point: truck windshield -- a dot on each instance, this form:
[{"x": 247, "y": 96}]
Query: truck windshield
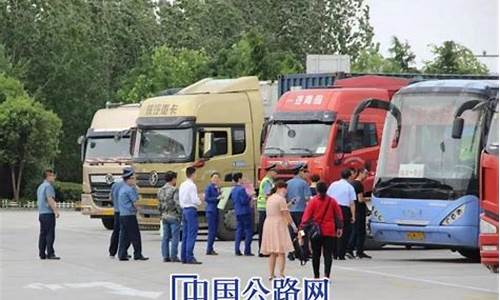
[
  {"x": 305, "y": 139},
  {"x": 427, "y": 163},
  {"x": 103, "y": 148},
  {"x": 175, "y": 145},
  {"x": 492, "y": 145}
]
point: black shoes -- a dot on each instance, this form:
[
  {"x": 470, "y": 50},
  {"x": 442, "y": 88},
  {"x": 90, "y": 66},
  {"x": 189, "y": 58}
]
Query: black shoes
[
  {"x": 167, "y": 260},
  {"x": 175, "y": 260},
  {"x": 53, "y": 257},
  {"x": 238, "y": 254},
  {"x": 193, "y": 262},
  {"x": 349, "y": 255},
  {"x": 249, "y": 254},
  {"x": 263, "y": 255},
  {"x": 291, "y": 256},
  {"x": 363, "y": 255},
  {"x": 123, "y": 258},
  {"x": 141, "y": 258},
  {"x": 212, "y": 253}
]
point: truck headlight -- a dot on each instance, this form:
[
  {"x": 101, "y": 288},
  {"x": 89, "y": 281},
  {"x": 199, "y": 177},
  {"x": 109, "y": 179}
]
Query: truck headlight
[
  {"x": 454, "y": 215},
  {"x": 377, "y": 216},
  {"x": 486, "y": 227}
]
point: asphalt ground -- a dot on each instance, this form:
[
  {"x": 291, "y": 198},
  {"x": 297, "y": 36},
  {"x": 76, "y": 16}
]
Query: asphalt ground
[{"x": 86, "y": 271}]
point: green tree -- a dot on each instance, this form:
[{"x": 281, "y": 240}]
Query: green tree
[
  {"x": 453, "y": 58},
  {"x": 401, "y": 56},
  {"x": 29, "y": 136},
  {"x": 165, "y": 68},
  {"x": 371, "y": 61}
]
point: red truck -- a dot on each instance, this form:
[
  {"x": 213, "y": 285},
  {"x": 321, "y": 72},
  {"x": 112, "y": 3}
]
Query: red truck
[
  {"x": 309, "y": 126},
  {"x": 488, "y": 226}
]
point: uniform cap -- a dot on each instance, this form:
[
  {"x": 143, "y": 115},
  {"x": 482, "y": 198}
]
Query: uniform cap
[{"x": 127, "y": 172}]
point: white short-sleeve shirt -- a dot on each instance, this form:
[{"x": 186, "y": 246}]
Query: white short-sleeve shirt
[{"x": 342, "y": 191}]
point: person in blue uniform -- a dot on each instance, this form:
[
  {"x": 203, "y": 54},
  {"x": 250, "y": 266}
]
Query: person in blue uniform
[
  {"x": 241, "y": 203},
  {"x": 115, "y": 235},
  {"x": 47, "y": 214},
  {"x": 212, "y": 198},
  {"x": 129, "y": 228}
]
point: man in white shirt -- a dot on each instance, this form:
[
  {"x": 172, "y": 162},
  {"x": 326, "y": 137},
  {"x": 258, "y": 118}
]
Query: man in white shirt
[
  {"x": 189, "y": 201},
  {"x": 344, "y": 193}
]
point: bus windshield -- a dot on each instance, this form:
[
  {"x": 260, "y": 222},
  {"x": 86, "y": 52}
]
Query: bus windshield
[
  {"x": 164, "y": 145},
  {"x": 426, "y": 162},
  {"x": 305, "y": 139},
  {"x": 105, "y": 148}
]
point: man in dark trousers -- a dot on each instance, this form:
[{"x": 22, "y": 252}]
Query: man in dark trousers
[
  {"x": 212, "y": 198},
  {"x": 358, "y": 235},
  {"x": 129, "y": 228},
  {"x": 241, "y": 203},
  {"x": 47, "y": 214},
  {"x": 115, "y": 235},
  {"x": 343, "y": 192}
]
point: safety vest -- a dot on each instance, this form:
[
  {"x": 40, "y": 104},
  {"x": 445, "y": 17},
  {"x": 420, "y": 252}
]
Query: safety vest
[{"x": 261, "y": 199}]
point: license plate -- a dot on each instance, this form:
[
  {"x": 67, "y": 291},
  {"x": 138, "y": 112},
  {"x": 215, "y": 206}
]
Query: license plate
[{"x": 415, "y": 236}]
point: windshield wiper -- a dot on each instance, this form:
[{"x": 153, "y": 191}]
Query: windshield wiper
[
  {"x": 412, "y": 183},
  {"x": 281, "y": 151},
  {"x": 309, "y": 151}
]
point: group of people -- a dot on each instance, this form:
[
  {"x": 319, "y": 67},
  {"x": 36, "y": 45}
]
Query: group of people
[{"x": 285, "y": 210}]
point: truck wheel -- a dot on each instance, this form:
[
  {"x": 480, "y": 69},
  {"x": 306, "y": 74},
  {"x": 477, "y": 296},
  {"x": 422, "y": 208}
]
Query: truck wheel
[
  {"x": 226, "y": 230},
  {"x": 108, "y": 223},
  {"x": 470, "y": 253},
  {"x": 493, "y": 268}
]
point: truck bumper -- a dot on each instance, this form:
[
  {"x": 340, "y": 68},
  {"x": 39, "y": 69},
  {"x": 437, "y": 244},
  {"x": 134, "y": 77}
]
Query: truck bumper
[
  {"x": 453, "y": 237},
  {"x": 488, "y": 243},
  {"x": 89, "y": 208}
]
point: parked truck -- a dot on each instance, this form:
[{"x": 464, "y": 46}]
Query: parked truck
[
  {"x": 309, "y": 127},
  {"x": 213, "y": 125},
  {"x": 105, "y": 151}
]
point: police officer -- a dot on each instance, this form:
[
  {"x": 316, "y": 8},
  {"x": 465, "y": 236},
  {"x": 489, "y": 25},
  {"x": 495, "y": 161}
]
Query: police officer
[
  {"x": 47, "y": 214},
  {"x": 241, "y": 203},
  {"x": 298, "y": 194},
  {"x": 212, "y": 198},
  {"x": 129, "y": 228},
  {"x": 115, "y": 235},
  {"x": 265, "y": 188}
]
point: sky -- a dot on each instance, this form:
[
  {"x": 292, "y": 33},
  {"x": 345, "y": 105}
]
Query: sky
[{"x": 472, "y": 23}]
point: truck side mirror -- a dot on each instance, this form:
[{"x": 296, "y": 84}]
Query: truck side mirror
[
  {"x": 81, "y": 142},
  {"x": 133, "y": 136},
  {"x": 346, "y": 139},
  {"x": 208, "y": 145},
  {"x": 458, "y": 128}
]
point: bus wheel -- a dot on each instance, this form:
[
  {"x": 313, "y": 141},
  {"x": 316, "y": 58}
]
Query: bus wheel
[
  {"x": 226, "y": 230},
  {"x": 470, "y": 253},
  {"x": 108, "y": 223}
]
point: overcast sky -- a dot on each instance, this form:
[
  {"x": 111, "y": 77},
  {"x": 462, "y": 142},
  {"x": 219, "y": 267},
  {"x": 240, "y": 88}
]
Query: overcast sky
[{"x": 472, "y": 23}]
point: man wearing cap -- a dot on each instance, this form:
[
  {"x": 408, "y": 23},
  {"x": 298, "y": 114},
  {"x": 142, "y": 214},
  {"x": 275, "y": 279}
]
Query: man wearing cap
[
  {"x": 129, "y": 228},
  {"x": 265, "y": 188},
  {"x": 115, "y": 235},
  {"x": 298, "y": 193}
]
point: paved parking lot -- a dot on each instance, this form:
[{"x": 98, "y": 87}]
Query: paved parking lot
[{"x": 86, "y": 272}]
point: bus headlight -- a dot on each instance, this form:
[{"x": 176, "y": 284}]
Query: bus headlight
[
  {"x": 455, "y": 215},
  {"x": 377, "y": 216},
  {"x": 485, "y": 227}
]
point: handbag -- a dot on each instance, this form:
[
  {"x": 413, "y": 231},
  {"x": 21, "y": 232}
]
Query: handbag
[{"x": 313, "y": 228}]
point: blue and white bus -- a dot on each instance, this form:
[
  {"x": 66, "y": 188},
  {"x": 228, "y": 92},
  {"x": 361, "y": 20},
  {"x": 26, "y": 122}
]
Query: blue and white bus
[{"x": 427, "y": 183}]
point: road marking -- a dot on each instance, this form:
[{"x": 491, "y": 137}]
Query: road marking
[
  {"x": 113, "y": 288},
  {"x": 418, "y": 279}
]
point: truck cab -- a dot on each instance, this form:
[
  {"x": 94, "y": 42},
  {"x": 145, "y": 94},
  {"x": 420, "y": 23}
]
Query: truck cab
[
  {"x": 105, "y": 151},
  {"x": 311, "y": 126},
  {"x": 213, "y": 125}
]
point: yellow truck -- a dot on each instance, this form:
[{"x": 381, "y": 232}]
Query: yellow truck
[
  {"x": 214, "y": 125},
  {"x": 105, "y": 151}
]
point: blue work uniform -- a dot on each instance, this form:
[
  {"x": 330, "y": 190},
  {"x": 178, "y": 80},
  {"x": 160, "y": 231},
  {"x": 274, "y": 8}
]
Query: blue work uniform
[
  {"x": 129, "y": 228},
  {"x": 47, "y": 220},
  {"x": 115, "y": 235},
  {"x": 298, "y": 193},
  {"x": 212, "y": 194},
  {"x": 241, "y": 204}
]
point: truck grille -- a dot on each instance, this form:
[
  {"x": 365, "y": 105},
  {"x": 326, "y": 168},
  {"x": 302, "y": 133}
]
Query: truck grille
[
  {"x": 144, "y": 180},
  {"x": 101, "y": 194}
]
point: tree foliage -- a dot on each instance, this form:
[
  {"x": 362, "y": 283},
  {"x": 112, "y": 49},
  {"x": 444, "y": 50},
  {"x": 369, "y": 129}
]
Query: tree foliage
[
  {"x": 453, "y": 58},
  {"x": 29, "y": 135},
  {"x": 402, "y": 57}
]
